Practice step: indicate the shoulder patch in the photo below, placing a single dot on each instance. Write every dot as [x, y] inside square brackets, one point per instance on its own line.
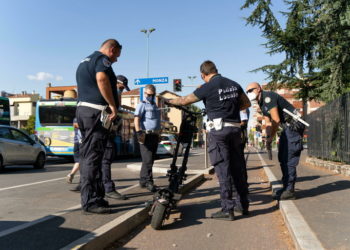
[106, 62]
[267, 100]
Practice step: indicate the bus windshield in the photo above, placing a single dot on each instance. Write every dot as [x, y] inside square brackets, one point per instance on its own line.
[56, 115]
[4, 111]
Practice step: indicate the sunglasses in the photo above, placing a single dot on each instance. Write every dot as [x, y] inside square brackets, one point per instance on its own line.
[250, 90]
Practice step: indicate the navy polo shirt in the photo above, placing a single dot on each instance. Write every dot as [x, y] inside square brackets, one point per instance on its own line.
[88, 90]
[270, 100]
[221, 97]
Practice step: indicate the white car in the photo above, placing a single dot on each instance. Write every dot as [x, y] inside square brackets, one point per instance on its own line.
[18, 148]
[167, 145]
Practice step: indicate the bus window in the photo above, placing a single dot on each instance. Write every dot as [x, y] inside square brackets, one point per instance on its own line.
[56, 115]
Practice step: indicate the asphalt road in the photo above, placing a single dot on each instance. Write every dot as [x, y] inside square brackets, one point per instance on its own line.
[29, 194]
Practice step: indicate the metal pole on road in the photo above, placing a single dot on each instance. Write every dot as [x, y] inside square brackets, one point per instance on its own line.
[205, 150]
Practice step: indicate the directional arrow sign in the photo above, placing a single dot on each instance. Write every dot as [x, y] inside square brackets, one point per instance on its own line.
[145, 81]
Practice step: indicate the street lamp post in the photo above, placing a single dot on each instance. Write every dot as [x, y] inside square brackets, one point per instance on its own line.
[148, 32]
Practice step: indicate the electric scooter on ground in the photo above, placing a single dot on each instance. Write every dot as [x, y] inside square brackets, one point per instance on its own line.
[165, 199]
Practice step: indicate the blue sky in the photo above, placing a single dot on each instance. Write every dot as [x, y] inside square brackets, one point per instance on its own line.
[52, 37]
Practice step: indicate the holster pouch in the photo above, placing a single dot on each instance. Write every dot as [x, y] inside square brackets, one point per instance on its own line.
[209, 125]
[218, 124]
[106, 122]
[141, 137]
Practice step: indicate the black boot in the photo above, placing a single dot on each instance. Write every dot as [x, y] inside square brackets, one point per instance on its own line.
[221, 215]
[288, 195]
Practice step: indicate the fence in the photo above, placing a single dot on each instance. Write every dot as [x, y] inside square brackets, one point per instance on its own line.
[329, 131]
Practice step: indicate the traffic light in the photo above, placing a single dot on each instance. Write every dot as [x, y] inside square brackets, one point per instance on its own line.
[177, 85]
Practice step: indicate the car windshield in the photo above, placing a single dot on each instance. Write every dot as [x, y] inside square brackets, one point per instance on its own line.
[56, 115]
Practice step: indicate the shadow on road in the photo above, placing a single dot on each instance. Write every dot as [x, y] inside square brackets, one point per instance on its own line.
[40, 236]
[323, 189]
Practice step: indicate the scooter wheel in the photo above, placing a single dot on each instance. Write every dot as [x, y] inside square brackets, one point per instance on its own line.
[158, 216]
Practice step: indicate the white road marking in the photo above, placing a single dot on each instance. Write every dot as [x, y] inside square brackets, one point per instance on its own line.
[31, 223]
[30, 184]
[45, 218]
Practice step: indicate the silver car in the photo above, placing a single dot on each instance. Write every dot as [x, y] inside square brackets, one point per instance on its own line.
[17, 148]
[167, 145]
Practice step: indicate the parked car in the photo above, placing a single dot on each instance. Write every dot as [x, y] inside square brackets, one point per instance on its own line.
[167, 145]
[18, 148]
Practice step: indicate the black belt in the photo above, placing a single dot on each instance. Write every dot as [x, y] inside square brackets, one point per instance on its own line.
[152, 131]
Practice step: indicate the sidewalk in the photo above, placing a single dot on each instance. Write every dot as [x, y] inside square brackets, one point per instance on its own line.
[190, 228]
[323, 198]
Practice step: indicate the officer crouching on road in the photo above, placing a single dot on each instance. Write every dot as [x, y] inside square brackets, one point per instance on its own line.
[147, 126]
[109, 154]
[96, 88]
[290, 144]
[223, 99]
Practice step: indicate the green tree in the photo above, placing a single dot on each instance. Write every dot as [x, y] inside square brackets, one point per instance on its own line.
[30, 125]
[199, 121]
[315, 41]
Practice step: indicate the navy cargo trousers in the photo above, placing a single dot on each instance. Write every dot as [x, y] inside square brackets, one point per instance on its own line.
[225, 152]
[289, 149]
[92, 148]
[107, 160]
[148, 153]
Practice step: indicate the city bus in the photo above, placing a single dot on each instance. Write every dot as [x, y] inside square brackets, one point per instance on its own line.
[4, 111]
[54, 127]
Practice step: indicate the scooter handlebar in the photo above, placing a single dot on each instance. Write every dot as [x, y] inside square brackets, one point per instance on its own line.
[185, 109]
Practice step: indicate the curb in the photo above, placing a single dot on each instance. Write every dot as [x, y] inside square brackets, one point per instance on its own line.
[302, 235]
[116, 229]
[336, 167]
[163, 169]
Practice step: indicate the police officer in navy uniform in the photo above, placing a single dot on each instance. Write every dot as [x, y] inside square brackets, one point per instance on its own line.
[223, 100]
[147, 126]
[96, 88]
[290, 144]
[109, 154]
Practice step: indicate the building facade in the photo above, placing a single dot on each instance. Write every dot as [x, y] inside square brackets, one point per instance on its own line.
[22, 106]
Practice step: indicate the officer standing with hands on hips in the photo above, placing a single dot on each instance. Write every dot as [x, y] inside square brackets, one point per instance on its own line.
[147, 126]
[109, 154]
[290, 144]
[96, 88]
[223, 100]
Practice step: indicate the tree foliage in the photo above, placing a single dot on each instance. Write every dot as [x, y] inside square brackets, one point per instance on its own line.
[195, 108]
[30, 125]
[315, 40]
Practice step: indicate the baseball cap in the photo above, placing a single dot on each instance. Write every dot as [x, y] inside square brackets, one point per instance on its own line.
[122, 79]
